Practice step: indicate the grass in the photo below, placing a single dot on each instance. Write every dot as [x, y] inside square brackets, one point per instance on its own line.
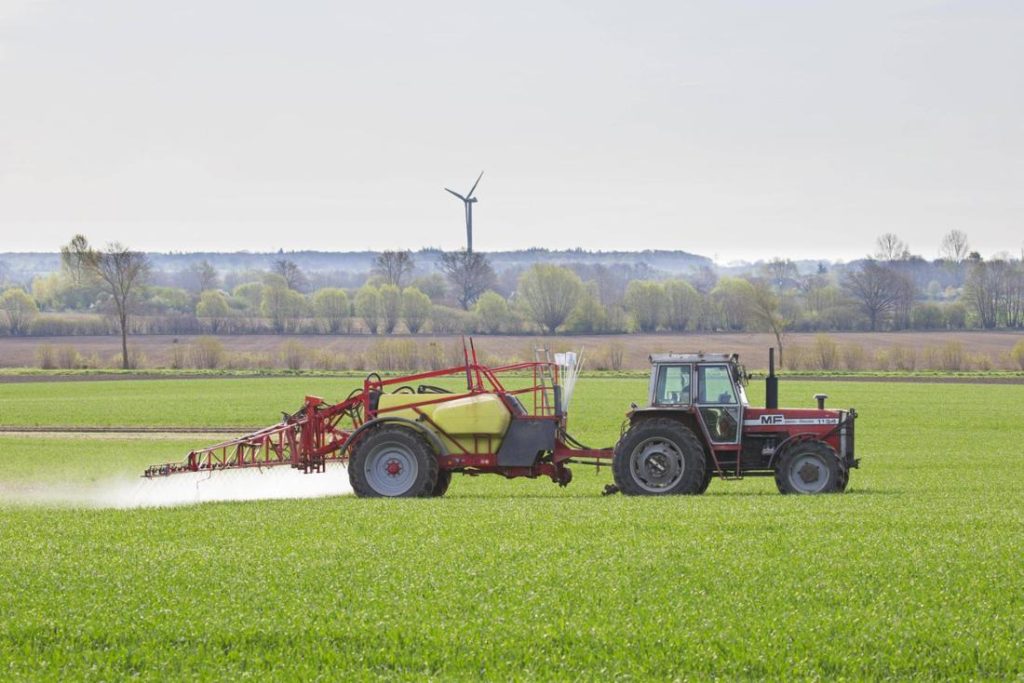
[915, 572]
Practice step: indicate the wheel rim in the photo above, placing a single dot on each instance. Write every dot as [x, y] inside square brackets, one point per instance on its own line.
[391, 469]
[808, 474]
[656, 465]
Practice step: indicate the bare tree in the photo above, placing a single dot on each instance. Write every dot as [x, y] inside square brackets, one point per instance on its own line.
[292, 274]
[204, 276]
[119, 270]
[777, 271]
[470, 273]
[955, 247]
[394, 266]
[889, 247]
[765, 307]
[71, 261]
[875, 288]
[982, 292]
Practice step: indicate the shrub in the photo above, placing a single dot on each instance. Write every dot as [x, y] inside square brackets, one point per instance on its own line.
[293, 355]
[1017, 354]
[46, 357]
[206, 353]
[616, 351]
[395, 354]
[68, 357]
[854, 357]
[826, 352]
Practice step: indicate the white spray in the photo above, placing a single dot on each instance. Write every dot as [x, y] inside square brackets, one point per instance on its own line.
[185, 489]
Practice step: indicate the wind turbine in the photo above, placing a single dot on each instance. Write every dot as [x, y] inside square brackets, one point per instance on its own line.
[469, 200]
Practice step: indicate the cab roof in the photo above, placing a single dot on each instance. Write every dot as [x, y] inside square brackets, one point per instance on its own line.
[698, 357]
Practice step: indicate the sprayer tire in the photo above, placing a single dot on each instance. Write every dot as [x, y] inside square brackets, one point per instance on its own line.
[393, 462]
[811, 467]
[659, 456]
[444, 480]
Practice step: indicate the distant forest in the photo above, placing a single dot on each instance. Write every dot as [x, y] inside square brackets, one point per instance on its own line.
[114, 290]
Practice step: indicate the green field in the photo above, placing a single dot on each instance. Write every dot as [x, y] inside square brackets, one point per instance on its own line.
[916, 572]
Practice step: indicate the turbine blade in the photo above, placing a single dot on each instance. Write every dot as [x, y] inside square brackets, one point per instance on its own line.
[455, 193]
[475, 184]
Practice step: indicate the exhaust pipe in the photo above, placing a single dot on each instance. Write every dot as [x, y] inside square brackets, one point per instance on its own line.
[771, 383]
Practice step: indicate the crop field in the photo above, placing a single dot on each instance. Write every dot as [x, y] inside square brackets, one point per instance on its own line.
[915, 572]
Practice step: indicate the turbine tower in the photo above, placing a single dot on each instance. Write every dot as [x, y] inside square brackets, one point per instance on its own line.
[468, 201]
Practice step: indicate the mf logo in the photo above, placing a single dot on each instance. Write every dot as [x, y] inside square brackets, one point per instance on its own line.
[773, 419]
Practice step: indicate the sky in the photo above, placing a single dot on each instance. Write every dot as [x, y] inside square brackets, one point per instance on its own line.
[735, 130]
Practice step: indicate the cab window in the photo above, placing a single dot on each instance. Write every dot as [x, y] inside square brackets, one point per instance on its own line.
[716, 385]
[673, 386]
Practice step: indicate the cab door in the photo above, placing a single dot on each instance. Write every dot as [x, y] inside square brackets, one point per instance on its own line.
[719, 403]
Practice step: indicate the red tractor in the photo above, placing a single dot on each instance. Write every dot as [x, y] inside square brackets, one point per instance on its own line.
[698, 424]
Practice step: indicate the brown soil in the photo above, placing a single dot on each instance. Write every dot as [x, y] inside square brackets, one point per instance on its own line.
[158, 349]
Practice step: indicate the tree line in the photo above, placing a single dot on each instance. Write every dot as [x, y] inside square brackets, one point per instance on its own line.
[892, 289]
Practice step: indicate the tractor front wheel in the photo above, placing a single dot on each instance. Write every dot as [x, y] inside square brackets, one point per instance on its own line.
[393, 462]
[810, 467]
[659, 457]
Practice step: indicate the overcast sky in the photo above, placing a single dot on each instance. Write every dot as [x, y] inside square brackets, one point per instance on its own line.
[737, 130]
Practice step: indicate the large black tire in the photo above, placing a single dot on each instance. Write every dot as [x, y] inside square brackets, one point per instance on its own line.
[444, 480]
[709, 473]
[810, 467]
[659, 456]
[394, 462]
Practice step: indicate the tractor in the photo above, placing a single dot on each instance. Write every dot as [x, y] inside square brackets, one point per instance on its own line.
[406, 436]
[698, 424]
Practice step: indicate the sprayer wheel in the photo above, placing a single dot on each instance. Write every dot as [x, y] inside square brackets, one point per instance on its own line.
[444, 480]
[393, 462]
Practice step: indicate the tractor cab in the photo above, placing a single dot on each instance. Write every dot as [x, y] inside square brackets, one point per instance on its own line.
[708, 385]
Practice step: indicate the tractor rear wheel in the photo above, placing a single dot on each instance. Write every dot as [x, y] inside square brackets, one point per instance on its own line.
[658, 457]
[393, 462]
[810, 467]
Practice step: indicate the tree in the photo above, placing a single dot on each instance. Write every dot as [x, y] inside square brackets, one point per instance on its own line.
[281, 304]
[470, 273]
[778, 270]
[213, 307]
[416, 308]
[549, 293]
[72, 261]
[19, 309]
[954, 246]
[394, 266]
[331, 304]
[889, 247]
[590, 316]
[390, 307]
[121, 272]
[765, 308]
[731, 299]
[204, 275]
[875, 288]
[292, 274]
[647, 303]
[683, 304]
[367, 305]
[492, 312]
[251, 294]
